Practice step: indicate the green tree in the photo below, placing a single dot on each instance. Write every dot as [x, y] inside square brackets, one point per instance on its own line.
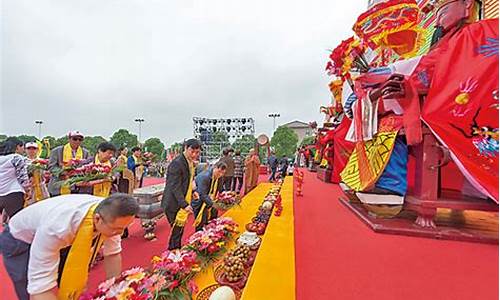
[220, 140]
[244, 144]
[2, 137]
[60, 141]
[176, 147]
[124, 138]
[284, 141]
[308, 140]
[27, 138]
[155, 146]
[92, 142]
[221, 137]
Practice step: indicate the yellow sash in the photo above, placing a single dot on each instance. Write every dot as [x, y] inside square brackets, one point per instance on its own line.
[102, 189]
[182, 214]
[67, 156]
[76, 269]
[123, 158]
[212, 193]
[37, 186]
[138, 169]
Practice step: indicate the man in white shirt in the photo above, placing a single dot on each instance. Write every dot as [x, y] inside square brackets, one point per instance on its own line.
[36, 239]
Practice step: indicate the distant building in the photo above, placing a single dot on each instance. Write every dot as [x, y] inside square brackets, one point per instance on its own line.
[302, 129]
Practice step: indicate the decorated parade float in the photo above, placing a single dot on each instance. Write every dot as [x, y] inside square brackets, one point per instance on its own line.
[415, 141]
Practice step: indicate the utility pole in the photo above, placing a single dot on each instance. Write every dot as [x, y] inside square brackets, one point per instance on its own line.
[39, 123]
[274, 116]
[140, 120]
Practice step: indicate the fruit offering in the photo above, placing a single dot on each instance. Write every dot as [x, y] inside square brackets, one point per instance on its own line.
[256, 227]
[262, 216]
[267, 205]
[234, 263]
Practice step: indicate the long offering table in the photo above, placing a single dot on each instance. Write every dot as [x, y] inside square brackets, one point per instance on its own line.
[273, 273]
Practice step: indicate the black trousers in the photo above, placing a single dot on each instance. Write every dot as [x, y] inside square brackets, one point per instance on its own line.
[237, 184]
[227, 183]
[205, 218]
[12, 203]
[175, 240]
[273, 174]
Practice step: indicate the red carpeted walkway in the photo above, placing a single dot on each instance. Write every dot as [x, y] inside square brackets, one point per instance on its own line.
[339, 257]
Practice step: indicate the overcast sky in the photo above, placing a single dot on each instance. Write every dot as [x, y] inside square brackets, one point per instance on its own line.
[96, 65]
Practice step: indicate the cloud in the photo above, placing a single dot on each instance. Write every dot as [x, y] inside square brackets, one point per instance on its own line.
[96, 65]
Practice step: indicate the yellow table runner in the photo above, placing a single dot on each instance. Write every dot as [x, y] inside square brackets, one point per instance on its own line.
[273, 273]
[241, 215]
[276, 255]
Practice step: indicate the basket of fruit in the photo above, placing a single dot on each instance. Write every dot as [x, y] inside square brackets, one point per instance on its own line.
[233, 270]
[256, 227]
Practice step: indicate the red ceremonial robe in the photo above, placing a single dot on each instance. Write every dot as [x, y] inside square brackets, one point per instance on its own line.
[461, 107]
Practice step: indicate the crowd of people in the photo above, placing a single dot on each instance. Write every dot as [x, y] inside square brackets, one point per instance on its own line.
[191, 190]
[53, 231]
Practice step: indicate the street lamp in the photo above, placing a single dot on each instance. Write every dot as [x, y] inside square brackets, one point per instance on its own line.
[140, 120]
[274, 116]
[39, 123]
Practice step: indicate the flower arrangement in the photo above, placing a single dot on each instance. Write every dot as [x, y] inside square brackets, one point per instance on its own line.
[210, 242]
[38, 165]
[225, 225]
[67, 168]
[88, 174]
[171, 274]
[135, 283]
[157, 284]
[177, 267]
[226, 200]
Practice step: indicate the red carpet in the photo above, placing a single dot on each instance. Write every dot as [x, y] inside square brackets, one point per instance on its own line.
[338, 257]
